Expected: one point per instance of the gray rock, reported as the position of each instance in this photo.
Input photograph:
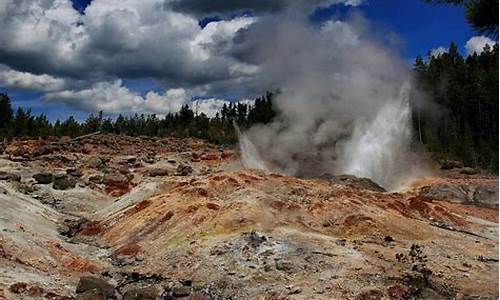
(468, 171)
(94, 162)
(148, 293)
(97, 178)
(286, 266)
(88, 283)
(480, 195)
(354, 182)
(63, 183)
(93, 294)
(43, 178)
(115, 178)
(158, 172)
(74, 172)
(181, 291)
(184, 170)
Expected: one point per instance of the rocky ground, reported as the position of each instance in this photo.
(109, 217)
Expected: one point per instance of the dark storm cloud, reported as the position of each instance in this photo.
(204, 7)
(225, 7)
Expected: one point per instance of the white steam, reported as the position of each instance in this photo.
(343, 109)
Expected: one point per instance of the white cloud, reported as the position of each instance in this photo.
(126, 38)
(24, 80)
(113, 98)
(438, 51)
(211, 106)
(133, 39)
(477, 43)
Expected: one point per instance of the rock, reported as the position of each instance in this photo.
(63, 183)
(96, 178)
(88, 283)
(158, 172)
(74, 172)
(18, 287)
(254, 239)
(3, 191)
(198, 296)
(148, 293)
(71, 226)
(181, 291)
(370, 294)
(213, 206)
(184, 170)
(127, 160)
(354, 182)
(450, 164)
(468, 171)
(93, 294)
(94, 162)
(486, 195)
(9, 176)
(115, 179)
(388, 239)
(43, 178)
(399, 291)
(481, 195)
(285, 265)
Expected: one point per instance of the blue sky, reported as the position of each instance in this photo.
(419, 27)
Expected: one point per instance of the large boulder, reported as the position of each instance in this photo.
(89, 283)
(480, 194)
(43, 178)
(94, 294)
(63, 182)
(468, 171)
(158, 172)
(115, 179)
(354, 182)
(94, 162)
(148, 293)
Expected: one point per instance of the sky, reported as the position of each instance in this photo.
(63, 57)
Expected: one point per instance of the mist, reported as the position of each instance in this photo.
(343, 106)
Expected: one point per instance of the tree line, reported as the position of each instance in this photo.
(184, 123)
(460, 120)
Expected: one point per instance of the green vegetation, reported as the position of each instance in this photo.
(219, 129)
(460, 120)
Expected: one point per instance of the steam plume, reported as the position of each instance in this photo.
(343, 106)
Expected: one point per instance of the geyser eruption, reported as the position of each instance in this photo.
(343, 106)
(376, 150)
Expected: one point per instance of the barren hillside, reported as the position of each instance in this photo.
(117, 217)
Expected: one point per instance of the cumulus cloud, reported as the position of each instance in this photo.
(24, 80)
(126, 39)
(113, 98)
(438, 51)
(212, 106)
(80, 58)
(477, 43)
